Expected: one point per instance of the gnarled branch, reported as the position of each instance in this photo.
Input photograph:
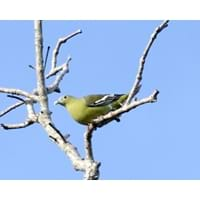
(137, 84)
(54, 70)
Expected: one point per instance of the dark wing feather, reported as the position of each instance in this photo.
(101, 100)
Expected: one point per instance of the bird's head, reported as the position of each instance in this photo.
(62, 100)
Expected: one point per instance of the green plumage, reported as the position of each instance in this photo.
(88, 108)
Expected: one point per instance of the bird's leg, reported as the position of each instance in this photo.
(104, 122)
(117, 119)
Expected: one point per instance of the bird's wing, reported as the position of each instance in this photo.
(101, 100)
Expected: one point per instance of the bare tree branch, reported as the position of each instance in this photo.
(30, 111)
(61, 41)
(65, 145)
(90, 167)
(32, 118)
(103, 120)
(18, 92)
(28, 102)
(137, 84)
(10, 108)
(44, 117)
(16, 97)
(88, 142)
(59, 77)
(58, 45)
(47, 53)
(91, 170)
(31, 67)
(42, 93)
(25, 124)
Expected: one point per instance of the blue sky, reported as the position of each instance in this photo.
(154, 141)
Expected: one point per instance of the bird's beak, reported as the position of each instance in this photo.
(59, 101)
(56, 102)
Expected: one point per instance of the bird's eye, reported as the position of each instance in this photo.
(65, 97)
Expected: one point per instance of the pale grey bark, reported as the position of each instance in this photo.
(18, 92)
(54, 69)
(87, 164)
(137, 84)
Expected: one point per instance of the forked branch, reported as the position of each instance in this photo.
(129, 105)
(137, 84)
(54, 69)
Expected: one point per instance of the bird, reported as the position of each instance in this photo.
(87, 108)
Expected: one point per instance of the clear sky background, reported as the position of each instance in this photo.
(154, 141)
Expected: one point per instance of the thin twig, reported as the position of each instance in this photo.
(29, 103)
(16, 97)
(32, 117)
(31, 67)
(64, 67)
(25, 124)
(58, 45)
(54, 69)
(65, 70)
(137, 84)
(46, 57)
(10, 108)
